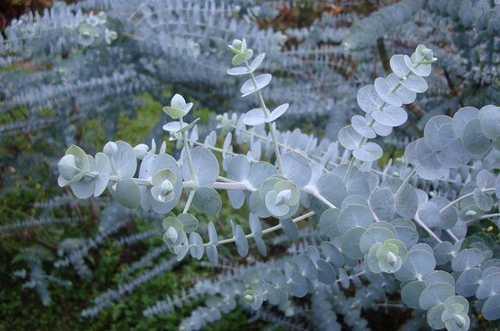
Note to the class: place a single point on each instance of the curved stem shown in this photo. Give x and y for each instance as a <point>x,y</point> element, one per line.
<point>224,184</point>
<point>314,192</point>
<point>465,196</point>
<point>189,201</point>
<point>188,152</point>
<point>405,181</point>
<point>268,230</point>
<point>215,149</point>
<point>427,229</point>
<point>283,146</point>
<point>483,217</point>
<point>272,126</point>
<point>231,186</point>
<point>452,235</point>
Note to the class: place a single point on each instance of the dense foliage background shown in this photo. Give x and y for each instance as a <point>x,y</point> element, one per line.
<point>60,88</point>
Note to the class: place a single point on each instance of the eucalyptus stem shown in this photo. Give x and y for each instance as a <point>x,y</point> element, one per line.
<point>189,201</point>
<point>215,149</point>
<point>426,228</point>
<point>268,230</point>
<point>314,192</point>
<point>188,153</point>
<point>465,196</point>
<point>284,146</point>
<point>452,235</point>
<point>224,184</point>
<point>272,126</point>
<point>483,217</point>
<point>405,181</point>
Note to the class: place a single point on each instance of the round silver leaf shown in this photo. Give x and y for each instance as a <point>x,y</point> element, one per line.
<point>261,81</point>
<point>468,281</point>
<point>368,152</point>
<point>489,117</point>
<point>349,242</point>
<point>127,193</point>
<point>382,203</point>
<point>435,294</point>
<point>399,66</point>
<point>241,241</point>
<point>196,247</point>
<point>349,138</point>
<point>407,202</point>
<point>238,167</point>
<point>354,216</point>
<point>410,293</point>
<point>467,259</point>
<point>207,200</point>
<point>390,115</point>
<point>462,117</point>
<point>277,112</point>
<point>368,99</point>
<point>205,164</point>
<point>360,124</point>
<point>475,142</point>
<point>254,117</point>
<point>415,83</point>
<point>491,308</point>
<point>296,168</point>
<point>259,172</point>
<point>386,92</point>
<point>332,188</point>
<point>418,262</point>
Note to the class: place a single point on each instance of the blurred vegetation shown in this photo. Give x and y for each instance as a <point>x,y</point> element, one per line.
<point>12,9</point>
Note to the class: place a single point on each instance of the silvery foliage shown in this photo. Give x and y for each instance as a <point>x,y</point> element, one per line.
<point>366,32</point>
<point>36,278</point>
<point>468,27</point>
<point>379,224</point>
<point>17,226</point>
<point>128,287</point>
<point>73,251</point>
<point>382,102</point>
<point>83,76</point>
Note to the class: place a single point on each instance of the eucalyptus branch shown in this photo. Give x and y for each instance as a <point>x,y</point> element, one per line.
<point>426,228</point>
<point>189,201</point>
<point>272,126</point>
<point>483,217</point>
<point>268,230</point>
<point>465,196</point>
<point>314,192</point>
<point>188,152</point>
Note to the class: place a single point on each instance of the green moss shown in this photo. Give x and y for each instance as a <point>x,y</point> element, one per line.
<point>135,130</point>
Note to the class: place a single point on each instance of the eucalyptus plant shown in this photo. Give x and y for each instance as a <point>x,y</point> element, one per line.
<point>379,224</point>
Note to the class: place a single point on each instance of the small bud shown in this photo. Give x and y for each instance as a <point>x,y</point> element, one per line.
<point>470,212</point>
<point>236,46</point>
<point>93,20</point>
<point>283,196</point>
<point>248,298</point>
<point>392,258</point>
<point>110,36</point>
<point>140,151</point>
<point>424,55</point>
<point>110,148</point>
<point>178,107</point>
<point>172,234</point>
<point>237,43</point>
<point>67,167</point>
<point>166,187</point>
